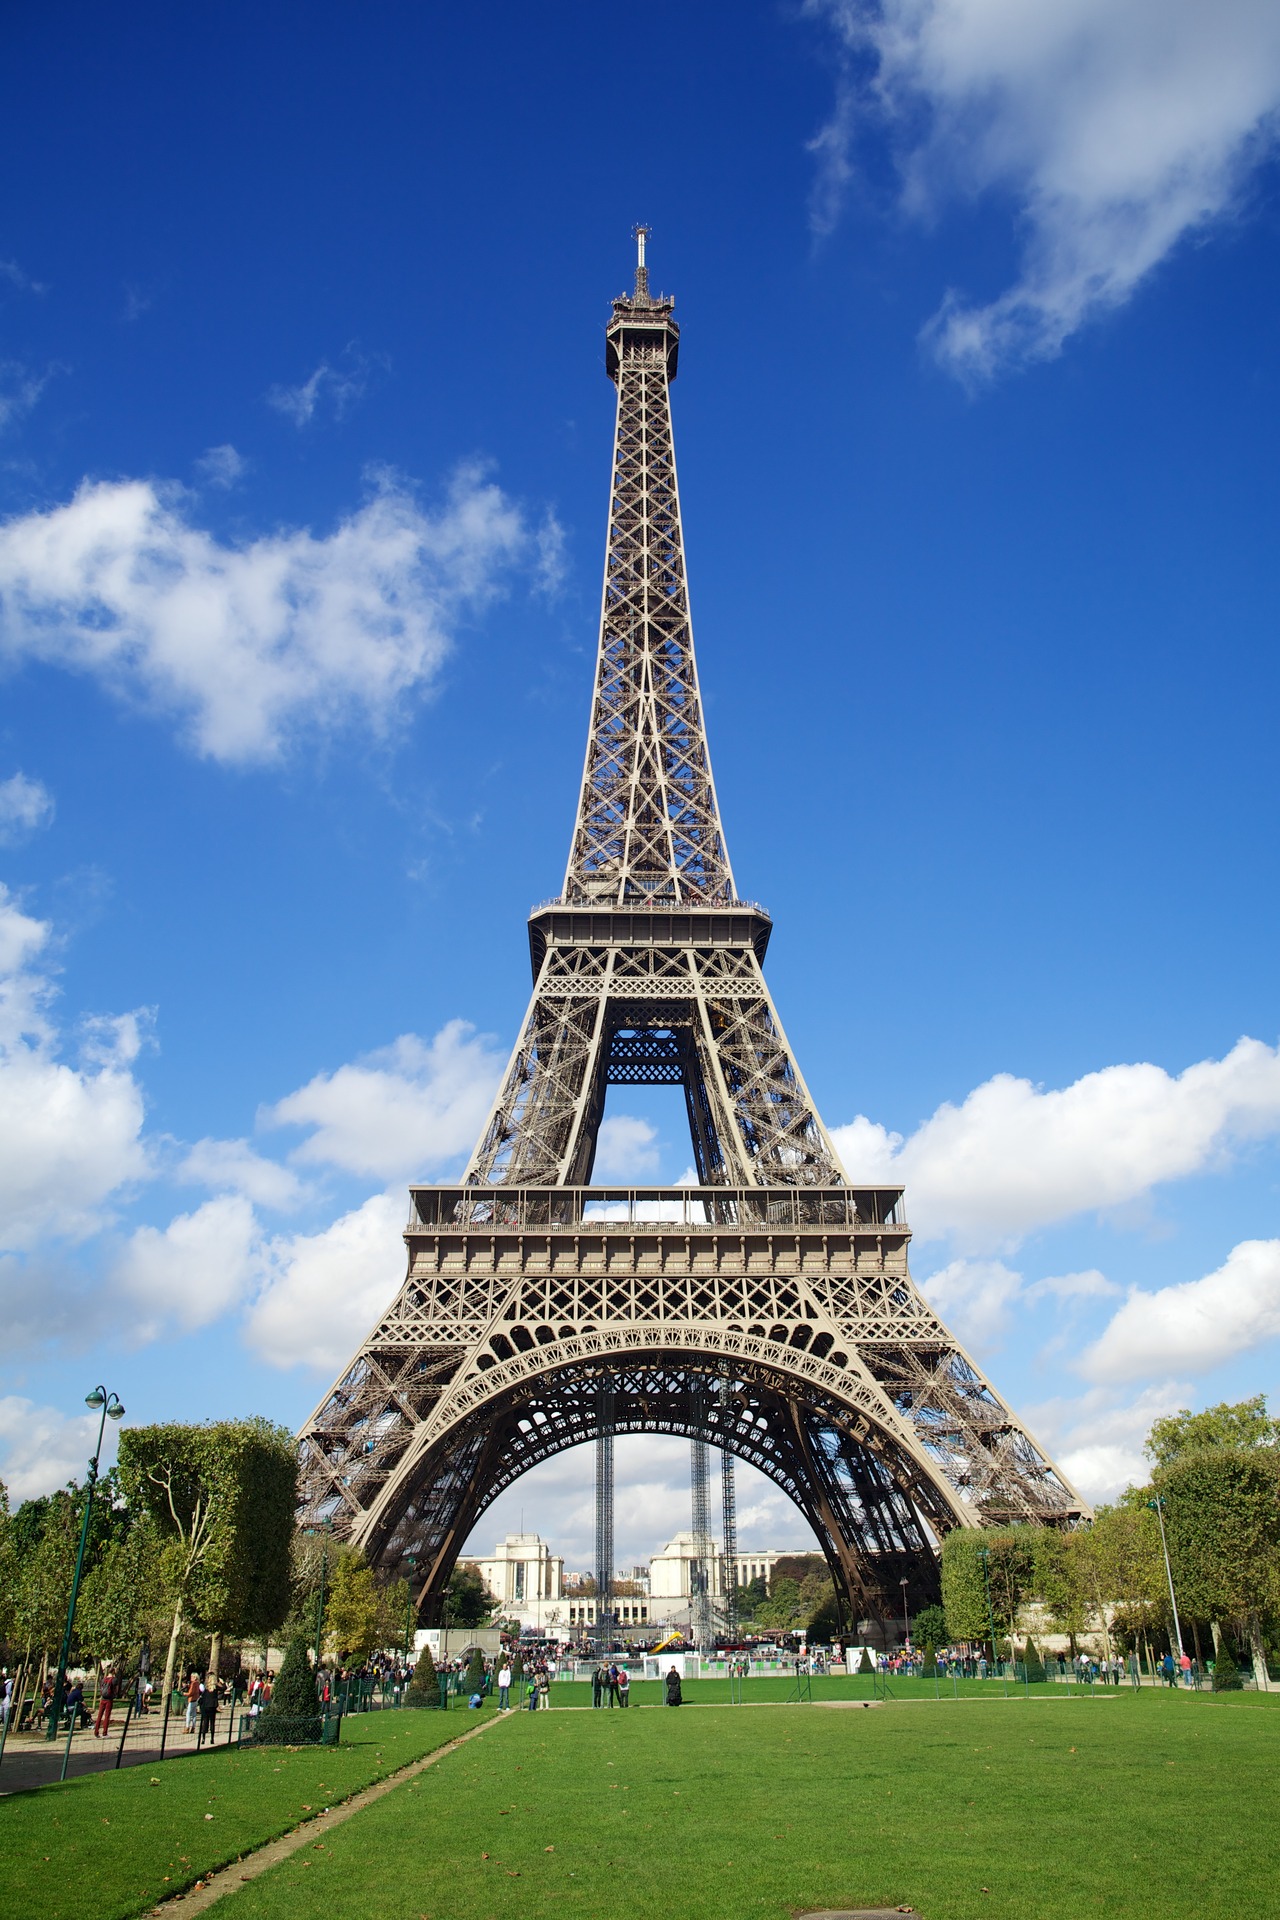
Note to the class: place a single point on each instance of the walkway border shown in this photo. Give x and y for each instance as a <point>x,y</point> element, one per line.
<point>223,1880</point>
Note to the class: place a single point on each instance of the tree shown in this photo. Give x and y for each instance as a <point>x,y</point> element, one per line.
<point>866,1664</point>
<point>353,1616</point>
<point>782,1610</point>
<point>424,1684</point>
<point>467,1601</point>
<point>1245,1423</point>
<point>1226,1674</point>
<point>929,1628</point>
<point>1031,1660</point>
<point>395,1614</point>
<point>1222,1522</point>
<point>123,1600</point>
<point>221,1497</point>
<point>964,1587</point>
<point>752,1597</point>
<point>475,1671</point>
<point>294,1690</point>
<point>929,1665</point>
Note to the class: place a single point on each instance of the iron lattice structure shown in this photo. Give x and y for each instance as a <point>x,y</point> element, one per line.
<point>767,1311</point>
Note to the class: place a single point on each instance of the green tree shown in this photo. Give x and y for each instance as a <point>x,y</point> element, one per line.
<point>866,1664</point>
<point>929,1665</point>
<point>424,1684</point>
<point>1032,1661</point>
<point>467,1601</point>
<point>8,1569</point>
<point>783,1609</point>
<point>1226,1674</point>
<point>1244,1423</point>
<point>751,1597</point>
<point>221,1497</point>
<point>395,1613</point>
<point>124,1598</point>
<point>353,1616</point>
<point>475,1671</point>
<point>930,1628</point>
<point>294,1689</point>
<point>964,1587</point>
<point>1222,1521</point>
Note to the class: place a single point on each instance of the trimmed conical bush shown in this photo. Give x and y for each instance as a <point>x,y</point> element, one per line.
<point>1031,1659</point>
<point>294,1690</point>
<point>424,1686</point>
<point>1226,1674</point>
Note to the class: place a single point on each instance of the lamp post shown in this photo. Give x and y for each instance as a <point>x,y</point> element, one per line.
<point>985,1556</point>
<point>324,1568</point>
<point>1158,1504</point>
<point>906,1625</point>
<point>412,1562</point>
<point>112,1409</point>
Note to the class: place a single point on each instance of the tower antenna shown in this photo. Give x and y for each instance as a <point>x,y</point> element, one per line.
<point>640,234</point>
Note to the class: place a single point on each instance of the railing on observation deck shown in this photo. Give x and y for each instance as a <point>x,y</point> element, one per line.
<point>675,1209</point>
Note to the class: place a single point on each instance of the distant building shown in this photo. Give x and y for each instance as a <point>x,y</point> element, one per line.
<point>671,1573</point>
<point>527,1581</point>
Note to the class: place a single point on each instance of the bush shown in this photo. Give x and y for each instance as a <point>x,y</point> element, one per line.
<point>517,1667</point>
<point>475,1672</point>
<point>1031,1658</point>
<point>1226,1674</point>
<point>293,1717</point>
<point>929,1628</point>
<point>423,1689</point>
<point>930,1667</point>
<point>295,1684</point>
<point>866,1664</point>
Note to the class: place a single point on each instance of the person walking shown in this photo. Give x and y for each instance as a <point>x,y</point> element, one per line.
<point>544,1685</point>
<point>674,1697</point>
<point>193,1692</point>
<point>598,1685</point>
<point>504,1685</point>
<point>106,1699</point>
<point>613,1683</point>
<point>624,1687</point>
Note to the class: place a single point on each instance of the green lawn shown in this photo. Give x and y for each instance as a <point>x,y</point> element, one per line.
<point>1155,1806</point>
<point>112,1844</point>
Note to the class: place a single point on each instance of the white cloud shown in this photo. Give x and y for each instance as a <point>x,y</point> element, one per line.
<point>1097,1442</point>
<point>42,1448</point>
<point>221,466</point>
<point>1115,128</point>
<point>190,1273</point>
<point>70,1136</point>
<point>20,388</point>
<point>400,1112</point>
<point>973,1297</point>
<point>1012,1158</point>
<point>247,645</point>
<point>235,1165</point>
<point>330,389</point>
<point>25,805</point>
<point>1195,1324</point>
<point>626,1149</point>
<point>324,1291</point>
<point>19,279</point>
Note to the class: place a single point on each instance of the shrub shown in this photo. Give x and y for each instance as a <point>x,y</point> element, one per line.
<point>293,1717</point>
<point>1034,1664</point>
<point>475,1672</point>
<point>866,1665</point>
<point>294,1690</point>
<point>1226,1674</point>
<point>423,1689</point>
<point>930,1667</point>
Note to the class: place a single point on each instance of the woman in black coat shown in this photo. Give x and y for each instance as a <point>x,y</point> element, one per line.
<point>674,1696</point>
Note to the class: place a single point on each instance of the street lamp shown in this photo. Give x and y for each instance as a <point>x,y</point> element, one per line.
<point>906,1626</point>
<point>984,1554</point>
<point>112,1409</point>
<point>1158,1504</point>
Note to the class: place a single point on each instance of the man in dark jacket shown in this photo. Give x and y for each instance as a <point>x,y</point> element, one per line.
<point>674,1696</point>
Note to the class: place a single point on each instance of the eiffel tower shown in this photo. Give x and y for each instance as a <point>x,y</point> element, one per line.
<point>767,1310</point>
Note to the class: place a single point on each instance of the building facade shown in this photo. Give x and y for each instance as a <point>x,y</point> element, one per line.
<point>527,1581</point>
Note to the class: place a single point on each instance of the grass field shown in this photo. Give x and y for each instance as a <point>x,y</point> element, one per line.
<point>1151,1806</point>
<point>112,1844</point>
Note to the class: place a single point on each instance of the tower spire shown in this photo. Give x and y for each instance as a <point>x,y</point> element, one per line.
<point>642,272</point>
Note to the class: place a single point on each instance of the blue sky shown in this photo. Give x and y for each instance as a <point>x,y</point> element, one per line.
<point>304,442</point>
